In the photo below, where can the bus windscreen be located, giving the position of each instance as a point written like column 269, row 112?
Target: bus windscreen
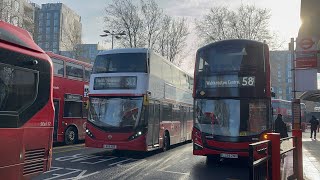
column 121, row 62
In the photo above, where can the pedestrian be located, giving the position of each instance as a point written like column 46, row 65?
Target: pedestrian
column 280, row 127
column 314, row 125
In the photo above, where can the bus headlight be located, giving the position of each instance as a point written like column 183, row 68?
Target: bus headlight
column 89, row 133
column 135, row 135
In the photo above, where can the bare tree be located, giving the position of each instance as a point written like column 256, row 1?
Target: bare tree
column 124, row 15
column 172, row 38
column 146, row 26
column 71, row 39
column 247, row 22
column 152, row 15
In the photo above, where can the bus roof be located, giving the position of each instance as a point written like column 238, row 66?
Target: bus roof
column 15, row 35
column 227, row 42
column 67, row 59
column 124, row 50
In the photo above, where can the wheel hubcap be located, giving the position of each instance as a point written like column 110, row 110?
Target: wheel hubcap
column 71, row 135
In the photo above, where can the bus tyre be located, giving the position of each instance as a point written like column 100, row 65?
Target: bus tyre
column 70, row 136
column 166, row 142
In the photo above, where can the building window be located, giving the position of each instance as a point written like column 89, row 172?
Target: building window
column 48, row 37
column 40, row 23
column 55, row 30
column 48, row 22
column 58, row 66
column 56, row 22
column 47, row 45
column 41, row 16
column 48, row 15
column 56, row 15
column 55, row 51
column 55, row 44
column 48, row 30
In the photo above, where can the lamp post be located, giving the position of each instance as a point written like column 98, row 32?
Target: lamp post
column 113, row 34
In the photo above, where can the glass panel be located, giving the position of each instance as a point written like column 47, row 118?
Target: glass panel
column 18, row 87
column 74, row 70
column 58, row 67
column 87, row 72
column 72, row 109
column 231, row 58
column 123, row 62
column 115, row 112
column 229, row 117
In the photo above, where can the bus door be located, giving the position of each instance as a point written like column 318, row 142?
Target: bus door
column 156, row 127
column 183, row 124
column 153, row 124
column 56, row 119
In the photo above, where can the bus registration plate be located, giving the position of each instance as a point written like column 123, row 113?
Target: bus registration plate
column 108, row 146
column 231, row 156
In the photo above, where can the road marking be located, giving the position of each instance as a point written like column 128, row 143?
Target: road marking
column 119, row 162
column 52, row 169
column 72, row 149
column 81, row 175
column 65, row 174
column 173, row 172
column 128, row 170
column 62, row 147
column 101, row 160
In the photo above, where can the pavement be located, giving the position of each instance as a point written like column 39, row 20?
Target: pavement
column 311, row 156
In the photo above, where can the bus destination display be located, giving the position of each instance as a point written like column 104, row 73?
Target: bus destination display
column 229, row 81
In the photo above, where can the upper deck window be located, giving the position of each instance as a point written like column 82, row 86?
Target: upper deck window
column 58, row 66
column 122, row 62
column 230, row 58
column 74, row 70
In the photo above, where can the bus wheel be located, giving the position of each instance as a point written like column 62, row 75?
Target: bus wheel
column 166, row 142
column 70, row 136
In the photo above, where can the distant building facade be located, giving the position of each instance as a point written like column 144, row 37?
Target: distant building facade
column 21, row 13
column 86, row 52
column 281, row 75
column 59, row 28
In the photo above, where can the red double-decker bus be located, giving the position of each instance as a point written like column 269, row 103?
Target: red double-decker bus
column 26, row 107
column 138, row 101
column 70, row 96
column 232, row 99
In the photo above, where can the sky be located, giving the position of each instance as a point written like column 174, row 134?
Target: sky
column 285, row 18
column 285, row 14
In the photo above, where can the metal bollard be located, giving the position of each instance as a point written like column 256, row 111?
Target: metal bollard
column 298, row 166
column 275, row 159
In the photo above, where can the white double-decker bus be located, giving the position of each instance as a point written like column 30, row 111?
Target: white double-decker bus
column 138, row 101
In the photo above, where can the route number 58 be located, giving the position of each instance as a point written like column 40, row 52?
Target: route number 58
column 248, row 81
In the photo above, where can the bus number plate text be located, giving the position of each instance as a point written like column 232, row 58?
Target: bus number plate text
column 231, row 156
column 108, row 146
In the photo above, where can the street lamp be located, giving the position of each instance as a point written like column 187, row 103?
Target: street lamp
column 117, row 35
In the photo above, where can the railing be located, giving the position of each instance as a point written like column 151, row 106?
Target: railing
column 270, row 154
column 260, row 168
column 295, row 154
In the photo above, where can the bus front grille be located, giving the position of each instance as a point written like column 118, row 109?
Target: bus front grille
column 34, row 161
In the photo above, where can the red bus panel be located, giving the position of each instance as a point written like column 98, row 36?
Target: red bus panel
column 26, row 107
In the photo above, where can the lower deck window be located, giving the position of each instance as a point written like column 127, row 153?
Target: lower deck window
column 72, row 109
